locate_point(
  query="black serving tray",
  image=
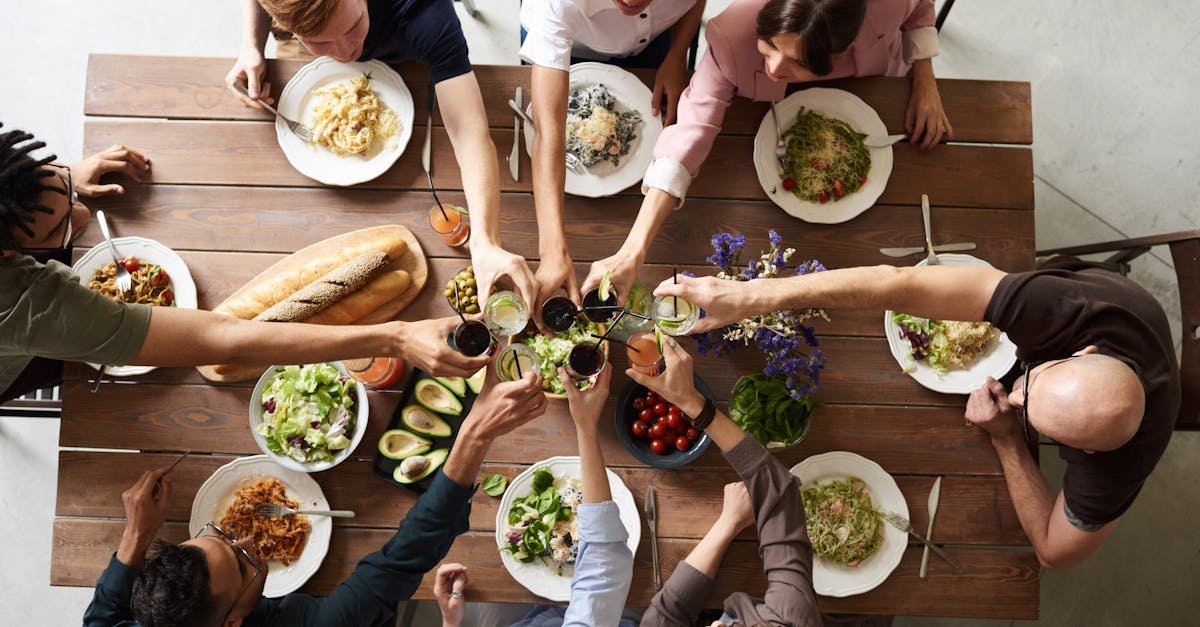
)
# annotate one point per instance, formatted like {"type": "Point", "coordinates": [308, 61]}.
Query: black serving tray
{"type": "Point", "coordinates": [384, 467]}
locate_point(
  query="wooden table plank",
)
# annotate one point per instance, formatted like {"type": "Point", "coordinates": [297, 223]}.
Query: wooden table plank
{"type": "Point", "coordinates": [193, 88]}
{"type": "Point", "coordinates": [242, 153]}
{"type": "Point", "coordinates": [973, 511]}
{"type": "Point", "coordinates": [995, 583]}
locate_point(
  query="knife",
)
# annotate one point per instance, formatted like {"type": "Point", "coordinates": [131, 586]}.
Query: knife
{"type": "Point", "coordinates": [651, 519]}
{"type": "Point", "coordinates": [941, 248]}
{"type": "Point", "coordinates": [883, 141]}
{"type": "Point", "coordinates": [514, 157]}
{"type": "Point", "coordinates": [934, 495]}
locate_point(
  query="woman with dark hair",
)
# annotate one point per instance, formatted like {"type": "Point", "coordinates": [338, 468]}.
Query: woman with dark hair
{"type": "Point", "coordinates": [756, 49]}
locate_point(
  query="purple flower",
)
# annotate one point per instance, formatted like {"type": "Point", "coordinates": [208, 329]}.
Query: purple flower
{"type": "Point", "coordinates": [776, 238]}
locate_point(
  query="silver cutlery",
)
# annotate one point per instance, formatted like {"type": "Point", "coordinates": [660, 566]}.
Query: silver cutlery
{"type": "Point", "coordinates": [902, 524]}
{"type": "Point", "coordinates": [514, 157]}
{"type": "Point", "coordinates": [297, 129]}
{"type": "Point", "coordinates": [940, 248]}
{"type": "Point", "coordinates": [651, 520]}
{"type": "Point", "coordinates": [780, 147]}
{"type": "Point", "coordinates": [124, 279]}
{"type": "Point", "coordinates": [931, 259]}
{"type": "Point", "coordinates": [573, 162]}
{"type": "Point", "coordinates": [275, 510]}
{"type": "Point", "coordinates": [98, 379]}
{"type": "Point", "coordinates": [934, 496]}
{"type": "Point", "coordinates": [883, 141]}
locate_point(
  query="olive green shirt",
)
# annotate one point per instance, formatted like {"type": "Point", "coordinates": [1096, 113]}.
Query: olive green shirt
{"type": "Point", "coordinates": [45, 312]}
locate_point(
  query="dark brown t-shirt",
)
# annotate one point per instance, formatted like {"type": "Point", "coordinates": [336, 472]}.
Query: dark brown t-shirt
{"type": "Point", "coordinates": [1053, 312]}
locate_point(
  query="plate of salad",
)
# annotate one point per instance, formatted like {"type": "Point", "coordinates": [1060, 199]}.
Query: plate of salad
{"type": "Point", "coordinates": [552, 352]}
{"type": "Point", "coordinates": [308, 417]}
{"type": "Point", "coordinates": [537, 526]}
{"type": "Point", "coordinates": [949, 356]}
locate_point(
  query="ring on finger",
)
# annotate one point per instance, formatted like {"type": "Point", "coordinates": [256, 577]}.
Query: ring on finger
{"type": "Point", "coordinates": [455, 594]}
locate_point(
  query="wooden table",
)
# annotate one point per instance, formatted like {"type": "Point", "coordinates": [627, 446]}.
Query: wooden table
{"type": "Point", "coordinates": [224, 197]}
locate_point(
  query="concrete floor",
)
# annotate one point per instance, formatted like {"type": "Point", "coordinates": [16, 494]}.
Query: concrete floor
{"type": "Point", "coordinates": [1115, 155]}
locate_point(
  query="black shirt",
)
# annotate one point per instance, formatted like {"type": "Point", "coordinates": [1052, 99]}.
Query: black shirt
{"type": "Point", "coordinates": [1054, 312]}
{"type": "Point", "coordinates": [417, 30]}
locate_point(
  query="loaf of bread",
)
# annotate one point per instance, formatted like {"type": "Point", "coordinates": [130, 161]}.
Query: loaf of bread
{"type": "Point", "coordinates": [339, 283]}
{"type": "Point", "coordinates": [381, 290]}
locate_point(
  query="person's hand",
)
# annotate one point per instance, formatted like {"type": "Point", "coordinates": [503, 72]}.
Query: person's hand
{"type": "Point", "coordinates": [676, 384]}
{"type": "Point", "coordinates": [423, 344]}
{"type": "Point", "coordinates": [145, 505]}
{"type": "Point", "coordinates": [492, 262]}
{"type": "Point", "coordinates": [85, 175]}
{"type": "Point", "coordinates": [448, 588]}
{"type": "Point", "coordinates": [623, 269]}
{"type": "Point", "coordinates": [504, 406]}
{"type": "Point", "coordinates": [926, 120]}
{"type": "Point", "coordinates": [250, 69]}
{"type": "Point", "coordinates": [554, 272]}
{"type": "Point", "coordinates": [724, 302]}
{"type": "Point", "coordinates": [737, 510]}
{"type": "Point", "coordinates": [988, 408]}
{"type": "Point", "coordinates": [586, 405]}
{"type": "Point", "coordinates": [669, 82]}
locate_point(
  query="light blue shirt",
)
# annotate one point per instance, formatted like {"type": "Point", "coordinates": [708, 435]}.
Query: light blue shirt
{"type": "Point", "coordinates": [603, 571]}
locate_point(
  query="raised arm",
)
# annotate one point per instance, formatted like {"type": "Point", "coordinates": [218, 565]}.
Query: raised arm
{"type": "Point", "coordinates": [943, 292]}
{"type": "Point", "coordinates": [461, 104]}
{"type": "Point", "coordinates": [671, 77]}
{"type": "Point", "coordinates": [250, 68]}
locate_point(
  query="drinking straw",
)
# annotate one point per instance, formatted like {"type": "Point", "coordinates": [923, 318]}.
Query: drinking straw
{"type": "Point", "coordinates": [517, 361]}
{"type": "Point", "coordinates": [458, 304]}
{"type": "Point", "coordinates": [627, 344]}
{"type": "Point", "coordinates": [675, 299]}
{"type": "Point", "coordinates": [623, 310]}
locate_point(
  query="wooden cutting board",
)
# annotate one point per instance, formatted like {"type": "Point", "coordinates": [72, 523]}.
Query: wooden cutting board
{"type": "Point", "coordinates": [413, 261]}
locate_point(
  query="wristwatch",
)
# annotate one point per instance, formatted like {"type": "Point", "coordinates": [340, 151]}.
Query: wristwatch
{"type": "Point", "coordinates": [706, 416]}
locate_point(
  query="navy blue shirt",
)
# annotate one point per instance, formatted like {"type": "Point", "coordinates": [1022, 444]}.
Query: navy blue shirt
{"type": "Point", "coordinates": [417, 30]}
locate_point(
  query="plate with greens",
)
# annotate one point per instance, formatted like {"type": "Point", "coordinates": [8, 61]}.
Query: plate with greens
{"type": "Point", "coordinates": [537, 527]}
{"type": "Point", "coordinates": [308, 417]}
{"type": "Point", "coordinates": [552, 351]}
{"type": "Point", "coordinates": [855, 549]}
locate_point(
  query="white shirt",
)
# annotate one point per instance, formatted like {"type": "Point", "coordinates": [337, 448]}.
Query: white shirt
{"type": "Point", "coordinates": [591, 29]}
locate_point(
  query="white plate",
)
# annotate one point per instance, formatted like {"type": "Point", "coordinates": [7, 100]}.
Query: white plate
{"type": "Point", "coordinates": [146, 250]}
{"type": "Point", "coordinates": [362, 414]}
{"type": "Point", "coordinates": [605, 179]}
{"type": "Point", "coordinates": [216, 494]}
{"type": "Point", "coordinates": [836, 580]}
{"type": "Point", "coordinates": [317, 162]}
{"type": "Point", "coordinates": [995, 363]}
{"type": "Point", "coordinates": [536, 576]}
{"type": "Point", "coordinates": [832, 103]}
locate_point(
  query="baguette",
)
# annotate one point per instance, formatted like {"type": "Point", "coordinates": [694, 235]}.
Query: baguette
{"type": "Point", "coordinates": [263, 292]}
{"type": "Point", "coordinates": [329, 289]}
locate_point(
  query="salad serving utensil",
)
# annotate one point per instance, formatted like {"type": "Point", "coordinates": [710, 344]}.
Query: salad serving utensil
{"type": "Point", "coordinates": [297, 129]}
{"type": "Point", "coordinates": [930, 259]}
{"type": "Point", "coordinates": [514, 157]}
{"type": "Point", "coordinates": [902, 524]}
{"type": "Point", "coordinates": [275, 510]}
{"type": "Point", "coordinates": [573, 162]}
{"type": "Point", "coordinates": [940, 248]}
{"type": "Point", "coordinates": [934, 496]}
{"type": "Point", "coordinates": [652, 520]}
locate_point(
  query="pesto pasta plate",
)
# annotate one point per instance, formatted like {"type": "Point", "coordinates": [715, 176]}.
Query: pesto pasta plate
{"type": "Point", "coordinates": [860, 555]}
{"type": "Point", "coordinates": [831, 175]}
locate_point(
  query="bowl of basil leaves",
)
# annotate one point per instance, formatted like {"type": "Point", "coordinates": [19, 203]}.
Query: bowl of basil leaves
{"type": "Point", "coordinates": [762, 407]}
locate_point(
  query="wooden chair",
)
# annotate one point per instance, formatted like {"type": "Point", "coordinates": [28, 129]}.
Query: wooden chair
{"type": "Point", "coordinates": [1185, 251]}
{"type": "Point", "coordinates": [943, 13]}
{"type": "Point", "coordinates": [39, 404]}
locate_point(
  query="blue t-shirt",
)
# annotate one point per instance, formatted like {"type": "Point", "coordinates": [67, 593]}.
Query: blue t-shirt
{"type": "Point", "coordinates": [417, 30]}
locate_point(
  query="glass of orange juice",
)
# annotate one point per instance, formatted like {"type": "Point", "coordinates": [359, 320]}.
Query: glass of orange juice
{"type": "Point", "coordinates": [449, 223]}
{"type": "Point", "coordinates": [644, 355]}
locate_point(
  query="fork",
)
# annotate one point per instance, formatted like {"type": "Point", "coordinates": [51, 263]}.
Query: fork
{"type": "Point", "coordinates": [124, 279]}
{"type": "Point", "coordinates": [298, 129]}
{"type": "Point", "coordinates": [573, 162]}
{"type": "Point", "coordinates": [275, 510]}
{"type": "Point", "coordinates": [931, 259]}
{"type": "Point", "coordinates": [780, 146]}
{"type": "Point", "coordinates": [902, 524]}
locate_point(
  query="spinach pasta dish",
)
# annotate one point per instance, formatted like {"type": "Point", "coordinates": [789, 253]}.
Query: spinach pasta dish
{"type": "Point", "coordinates": [596, 131]}
{"type": "Point", "coordinates": [843, 525]}
{"type": "Point", "coordinates": [825, 158]}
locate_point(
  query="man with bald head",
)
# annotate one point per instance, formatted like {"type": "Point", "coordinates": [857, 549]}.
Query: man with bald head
{"type": "Point", "coordinates": [1100, 376]}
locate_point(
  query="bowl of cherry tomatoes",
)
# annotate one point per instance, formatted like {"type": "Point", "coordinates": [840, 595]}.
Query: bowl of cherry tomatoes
{"type": "Point", "coordinates": [657, 432]}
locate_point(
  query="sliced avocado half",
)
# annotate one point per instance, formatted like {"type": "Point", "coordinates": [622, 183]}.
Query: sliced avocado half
{"type": "Point", "coordinates": [437, 398]}
{"type": "Point", "coordinates": [476, 380]}
{"type": "Point", "coordinates": [458, 385]}
{"type": "Point", "coordinates": [418, 467]}
{"type": "Point", "coordinates": [402, 444]}
{"type": "Point", "coordinates": [420, 420]}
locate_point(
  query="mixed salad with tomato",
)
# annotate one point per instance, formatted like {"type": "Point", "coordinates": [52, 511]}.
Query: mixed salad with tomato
{"type": "Point", "coordinates": [662, 424]}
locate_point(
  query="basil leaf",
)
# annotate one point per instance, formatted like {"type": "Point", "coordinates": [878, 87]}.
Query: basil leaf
{"type": "Point", "coordinates": [494, 484]}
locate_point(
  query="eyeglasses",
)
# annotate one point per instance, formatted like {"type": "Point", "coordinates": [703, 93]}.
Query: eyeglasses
{"type": "Point", "coordinates": [1025, 430]}
{"type": "Point", "coordinates": [73, 199]}
{"type": "Point", "coordinates": [211, 530]}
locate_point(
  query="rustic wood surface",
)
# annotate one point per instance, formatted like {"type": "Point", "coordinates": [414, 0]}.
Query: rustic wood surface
{"type": "Point", "coordinates": [223, 195]}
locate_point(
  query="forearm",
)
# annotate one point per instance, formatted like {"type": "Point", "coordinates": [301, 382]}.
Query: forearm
{"type": "Point", "coordinates": [549, 87]}
{"type": "Point", "coordinates": [190, 337]}
{"type": "Point", "coordinates": [466, 124]}
{"type": "Point", "coordinates": [656, 207]}
{"type": "Point", "coordinates": [709, 552]}
{"type": "Point", "coordinates": [722, 430]}
{"type": "Point", "coordinates": [132, 549]}
{"type": "Point", "coordinates": [592, 469]}
{"type": "Point", "coordinates": [1032, 497]}
{"type": "Point", "coordinates": [922, 71]}
{"type": "Point", "coordinates": [256, 24]}
{"type": "Point", "coordinates": [684, 31]}
{"type": "Point", "coordinates": [466, 457]}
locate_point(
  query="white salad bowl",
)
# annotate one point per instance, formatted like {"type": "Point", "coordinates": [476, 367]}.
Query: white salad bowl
{"type": "Point", "coordinates": [362, 412]}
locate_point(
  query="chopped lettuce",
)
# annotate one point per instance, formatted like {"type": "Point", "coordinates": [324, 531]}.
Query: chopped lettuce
{"type": "Point", "coordinates": [307, 412]}
{"type": "Point", "coordinates": [553, 352]}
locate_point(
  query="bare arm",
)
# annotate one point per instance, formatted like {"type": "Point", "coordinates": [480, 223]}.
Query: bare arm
{"type": "Point", "coordinates": [672, 76]}
{"type": "Point", "coordinates": [550, 87]}
{"type": "Point", "coordinates": [656, 207]}
{"type": "Point", "coordinates": [256, 24]}
{"type": "Point", "coordinates": [250, 67]}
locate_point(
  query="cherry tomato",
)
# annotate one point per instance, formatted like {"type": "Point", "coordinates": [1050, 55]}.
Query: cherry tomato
{"type": "Point", "coordinates": [862, 181]}
{"type": "Point", "coordinates": [169, 297]}
{"type": "Point", "coordinates": [824, 196]}
{"type": "Point", "coordinates": [658, 431]}
{"type": "Point", "coordinates": [131, 264]}
{"type": "Point", "coordinates": [673, 421]}
{"type": "Point", "coordinates": [639, 428]}
{"type": "Point", "coordinates": [639, 404]}
{"type": "Point", "coordinates": [646, 415]}
{"type": "Point", "coordinates": [674, 411]}
{"type": "Point", "coordinates": [693, 434]}
{"type": "Point", "coordinates": [160, 278]}
{"type": "Point", "coordinates": [658, 446]}
{"type": "Point", "coordinates": [839, 188]}
{"type": "Point", "coordinates": [682, 443]}
{"type": "Point", "coordinates": [789, 184]}
{"type": "Point", "coordinates": [660, 409]}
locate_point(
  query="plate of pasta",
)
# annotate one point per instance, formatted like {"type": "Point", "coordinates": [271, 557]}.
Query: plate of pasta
{"type": "Point", "coordinates": [830, 175]}
{"type": "Point", "coordinates": [361, 115]}
{"type": "Point", "coordinates": [854, 549]}
{"type": "Point", "coordinates": [609, 128]}
{"type": "Point", "coordinates": [160, 278]}
{"type": "Point", "coordinates": [292, 546]}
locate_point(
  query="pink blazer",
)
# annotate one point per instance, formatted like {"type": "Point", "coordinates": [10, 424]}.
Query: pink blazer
{"type": "Point", "coordinates": [886, 44]}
